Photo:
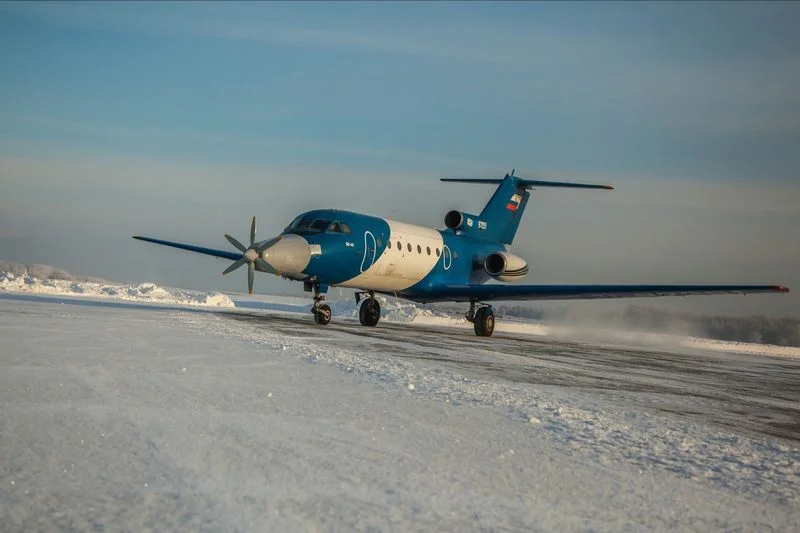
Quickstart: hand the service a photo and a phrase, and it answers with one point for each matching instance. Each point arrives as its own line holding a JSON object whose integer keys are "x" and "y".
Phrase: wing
{"x": 465, "y": 293}
{"x": 233, "y": 256}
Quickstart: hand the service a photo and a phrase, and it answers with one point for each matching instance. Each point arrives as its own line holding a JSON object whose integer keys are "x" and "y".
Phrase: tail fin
{"x": 505, "y": 208}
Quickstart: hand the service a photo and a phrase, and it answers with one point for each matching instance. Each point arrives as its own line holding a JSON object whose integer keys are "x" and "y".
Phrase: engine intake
{"x": 454, "y": 219}
{"x": 504, "y": 266}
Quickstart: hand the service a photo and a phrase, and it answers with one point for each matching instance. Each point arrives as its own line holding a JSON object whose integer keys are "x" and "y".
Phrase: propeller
{"x": 251, "y": 256}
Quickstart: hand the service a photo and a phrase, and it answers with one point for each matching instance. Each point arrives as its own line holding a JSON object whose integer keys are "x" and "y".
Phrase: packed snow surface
{"x": 394, "y": 310}
{"x": 143, "y": 292}
{"x": 135, "y": 418}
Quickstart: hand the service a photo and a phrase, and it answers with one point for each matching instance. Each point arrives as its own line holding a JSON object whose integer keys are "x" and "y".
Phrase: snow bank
{"x": 741, "y": 347}
{"x": 393, "y": 310}
{"x": 144, "y": 292}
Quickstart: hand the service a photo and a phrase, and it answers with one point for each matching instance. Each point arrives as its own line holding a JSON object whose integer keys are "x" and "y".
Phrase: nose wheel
{"x": 322, "y": 314}
{"x": 320, "y": 310}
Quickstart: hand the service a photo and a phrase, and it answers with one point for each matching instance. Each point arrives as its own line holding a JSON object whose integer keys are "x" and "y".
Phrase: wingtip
{"x": 780, "y": 288}
{"x": 608, "y": 187}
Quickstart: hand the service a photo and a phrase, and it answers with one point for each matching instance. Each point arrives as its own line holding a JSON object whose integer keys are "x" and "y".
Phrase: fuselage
{"x": 371, "y": 253}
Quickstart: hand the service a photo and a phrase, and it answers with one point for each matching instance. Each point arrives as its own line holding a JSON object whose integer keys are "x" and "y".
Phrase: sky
{"x": 183, "y": 120}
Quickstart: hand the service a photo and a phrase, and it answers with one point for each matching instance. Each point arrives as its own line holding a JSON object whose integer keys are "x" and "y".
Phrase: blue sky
{"x": 185, "y": 119}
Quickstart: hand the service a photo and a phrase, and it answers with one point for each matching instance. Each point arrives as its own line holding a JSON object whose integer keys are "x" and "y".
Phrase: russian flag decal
{"x": 513, "y": 204}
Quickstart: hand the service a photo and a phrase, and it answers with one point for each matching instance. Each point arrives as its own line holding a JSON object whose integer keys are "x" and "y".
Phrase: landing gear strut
{"x": 321, "y": 310}
{"x": 369, "y": 312}
{"x": 482, "y": 319}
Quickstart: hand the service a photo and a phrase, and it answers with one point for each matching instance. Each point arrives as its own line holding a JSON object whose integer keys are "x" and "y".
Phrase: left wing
{"x": 233, "y": 256}
{"x": 466, "y": 293}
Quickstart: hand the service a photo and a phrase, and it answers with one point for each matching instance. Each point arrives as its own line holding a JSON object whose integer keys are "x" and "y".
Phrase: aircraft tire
{"x": 369, "y": 313}
{"x": 322, "y": 315}
{"x": 484, "y": 322}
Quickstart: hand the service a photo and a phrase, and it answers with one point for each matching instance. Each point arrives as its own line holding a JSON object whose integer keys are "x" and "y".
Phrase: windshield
{"x": 307, "y": 224}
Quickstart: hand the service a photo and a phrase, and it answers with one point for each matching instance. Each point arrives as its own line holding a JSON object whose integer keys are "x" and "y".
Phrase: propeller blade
{"x": 236, "y": 264}
{"x": 236, "y": 243}
{"x": 251, "y": 272}
{"x": 253, "y": 232}
{"x": 266, "y": 267}
{"x": 267, "y": 244}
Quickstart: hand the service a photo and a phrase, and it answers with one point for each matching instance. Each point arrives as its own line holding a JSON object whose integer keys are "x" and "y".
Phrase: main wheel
{"x": 322, "y": 314}
{"x": 370, "y": 312}
{"x": 484, "y": 322}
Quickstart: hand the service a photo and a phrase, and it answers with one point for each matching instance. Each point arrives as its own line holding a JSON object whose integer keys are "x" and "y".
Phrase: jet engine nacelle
{"x": 504, "y": 266}
{"x": 457, "y": 220}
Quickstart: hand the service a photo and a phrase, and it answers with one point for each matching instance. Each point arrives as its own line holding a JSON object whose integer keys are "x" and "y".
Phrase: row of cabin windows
{"x": 410, "y": 248}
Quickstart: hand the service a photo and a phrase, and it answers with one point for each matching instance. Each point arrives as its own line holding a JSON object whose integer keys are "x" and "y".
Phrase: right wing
{"x": 466, "y": 293}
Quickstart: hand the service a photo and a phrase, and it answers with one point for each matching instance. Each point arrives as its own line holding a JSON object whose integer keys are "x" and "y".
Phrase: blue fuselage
{"x": 371, "y": 253}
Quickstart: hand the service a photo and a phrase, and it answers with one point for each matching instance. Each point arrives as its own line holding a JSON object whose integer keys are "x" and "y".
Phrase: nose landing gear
{"x": 482, "y": 319}
{"x": 321, "y": 310}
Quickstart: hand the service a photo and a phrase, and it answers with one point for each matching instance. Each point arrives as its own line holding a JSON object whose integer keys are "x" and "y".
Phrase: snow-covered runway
{"x": 749, "y": 393}
{"x": 134, "y": 418}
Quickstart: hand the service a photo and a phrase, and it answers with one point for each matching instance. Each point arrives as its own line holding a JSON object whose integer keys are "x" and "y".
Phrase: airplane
{"x": 469, "y": 261}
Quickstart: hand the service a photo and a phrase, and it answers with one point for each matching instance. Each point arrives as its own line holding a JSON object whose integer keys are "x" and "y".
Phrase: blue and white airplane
{"x": 332, "y": 248}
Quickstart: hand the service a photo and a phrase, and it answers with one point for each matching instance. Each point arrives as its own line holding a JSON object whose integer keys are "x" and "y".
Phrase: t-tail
{"x": 500, "y": 218}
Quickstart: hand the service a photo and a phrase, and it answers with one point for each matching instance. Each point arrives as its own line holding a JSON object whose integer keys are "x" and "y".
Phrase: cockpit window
{"x": 307, "y": 224}
{"x": 319, "y": 225}
{"x": 338, "y": 227}
{"x": 294, "y": 224}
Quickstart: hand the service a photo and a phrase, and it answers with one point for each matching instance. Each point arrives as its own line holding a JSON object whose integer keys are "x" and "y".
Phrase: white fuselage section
{"x": 412, "y": 253}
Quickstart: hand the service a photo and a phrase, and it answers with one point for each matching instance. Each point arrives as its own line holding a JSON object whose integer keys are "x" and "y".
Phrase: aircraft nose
{"x": 290, "y": 255}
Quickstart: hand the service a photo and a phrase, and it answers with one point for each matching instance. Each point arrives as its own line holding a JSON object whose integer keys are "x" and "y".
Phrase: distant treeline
{"x": 755, "y": 329}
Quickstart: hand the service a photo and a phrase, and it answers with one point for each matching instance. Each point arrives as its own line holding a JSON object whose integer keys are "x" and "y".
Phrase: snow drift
{"x": 143, "y": 292}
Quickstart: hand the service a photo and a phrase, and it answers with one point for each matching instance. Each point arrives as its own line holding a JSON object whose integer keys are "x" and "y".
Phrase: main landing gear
{"x": 321, "y": 310}
{"x": 369, "y": 312}
{"x": 482, "y": 319}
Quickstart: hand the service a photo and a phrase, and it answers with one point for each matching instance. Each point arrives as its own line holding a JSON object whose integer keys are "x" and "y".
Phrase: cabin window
{"x": 399, "y": 246}
{"x": 428, "y": 248}
{"x": 419, "y": 249}
{"x": 388, "y": 245}
{"x": 378, "y": 243}
{"x": 437, "y": 252}
{"x": 409, "y": 246}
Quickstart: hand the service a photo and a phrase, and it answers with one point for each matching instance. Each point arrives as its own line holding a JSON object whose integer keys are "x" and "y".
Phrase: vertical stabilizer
{"x": 504, "y": 211}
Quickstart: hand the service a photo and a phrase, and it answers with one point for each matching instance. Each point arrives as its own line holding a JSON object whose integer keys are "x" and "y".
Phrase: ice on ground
{"x": 143, "y": 292}
{"x": 139, "y": 419}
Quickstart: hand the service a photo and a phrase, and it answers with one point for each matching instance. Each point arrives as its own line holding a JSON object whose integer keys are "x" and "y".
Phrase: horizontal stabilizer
{"x": 529, "y": 184}
{"x": 233, "y": 256}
